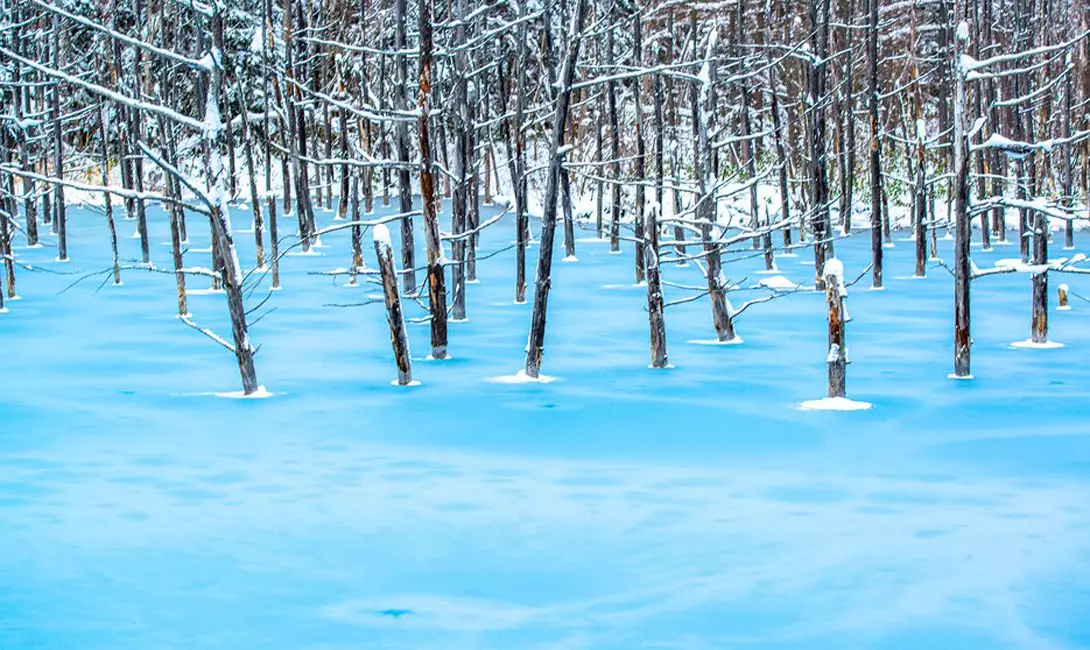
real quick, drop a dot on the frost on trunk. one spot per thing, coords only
(399, 340)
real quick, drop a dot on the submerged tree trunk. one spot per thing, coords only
(703, 110)
(536, 347)
(405, 196)
(399, 339)
(838, 350)
(614, 152)
(437, 291)
(962, 223)
(819, 183)
(876, 188)
(221, 223)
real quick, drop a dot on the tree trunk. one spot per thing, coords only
(405, 196)
(838, 350)
(437, 292)
(962, 224)
(876, 188)
(536, 347)
(399, 340)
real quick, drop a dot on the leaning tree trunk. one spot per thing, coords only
(399, 339)
(536, 347)
(221, 220)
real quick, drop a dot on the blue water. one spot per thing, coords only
(618, 507)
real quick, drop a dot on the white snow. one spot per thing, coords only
(833, 267)
(737, 340)
(260, 393)
(963, 31)
(571, 258)
(381, 235)
(1031, 345)
(834, 404)
(521, 377)
(412, 384)
(778, 283)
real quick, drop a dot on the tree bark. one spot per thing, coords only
(536, 347)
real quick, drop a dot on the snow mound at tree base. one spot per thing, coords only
(521, 377)
(1031, 345)
(834, 404)
(260, 393)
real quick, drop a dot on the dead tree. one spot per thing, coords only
(536, 347)
(437, 291)
(835, 290)
(819, 182)
(876, 188)
(962, 223)
(399, 340)
(405, 195)
(703, 112)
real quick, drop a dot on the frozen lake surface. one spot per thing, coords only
(617, 507)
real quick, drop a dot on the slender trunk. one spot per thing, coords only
(536, 347)
(641, 154)
(962, 224)
(614, 152)
(60, 219)
(408, 244)
(437, 292)
(703, 111)
(876, 188)
(399, 339)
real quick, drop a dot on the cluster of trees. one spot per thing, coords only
(669, 118)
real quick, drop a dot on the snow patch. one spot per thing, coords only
(737, 340)
(778, 283)
(1032, 345)
(260, 393)
(521, 377)
(834, 404)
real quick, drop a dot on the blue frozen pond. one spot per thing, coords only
(615, 508)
